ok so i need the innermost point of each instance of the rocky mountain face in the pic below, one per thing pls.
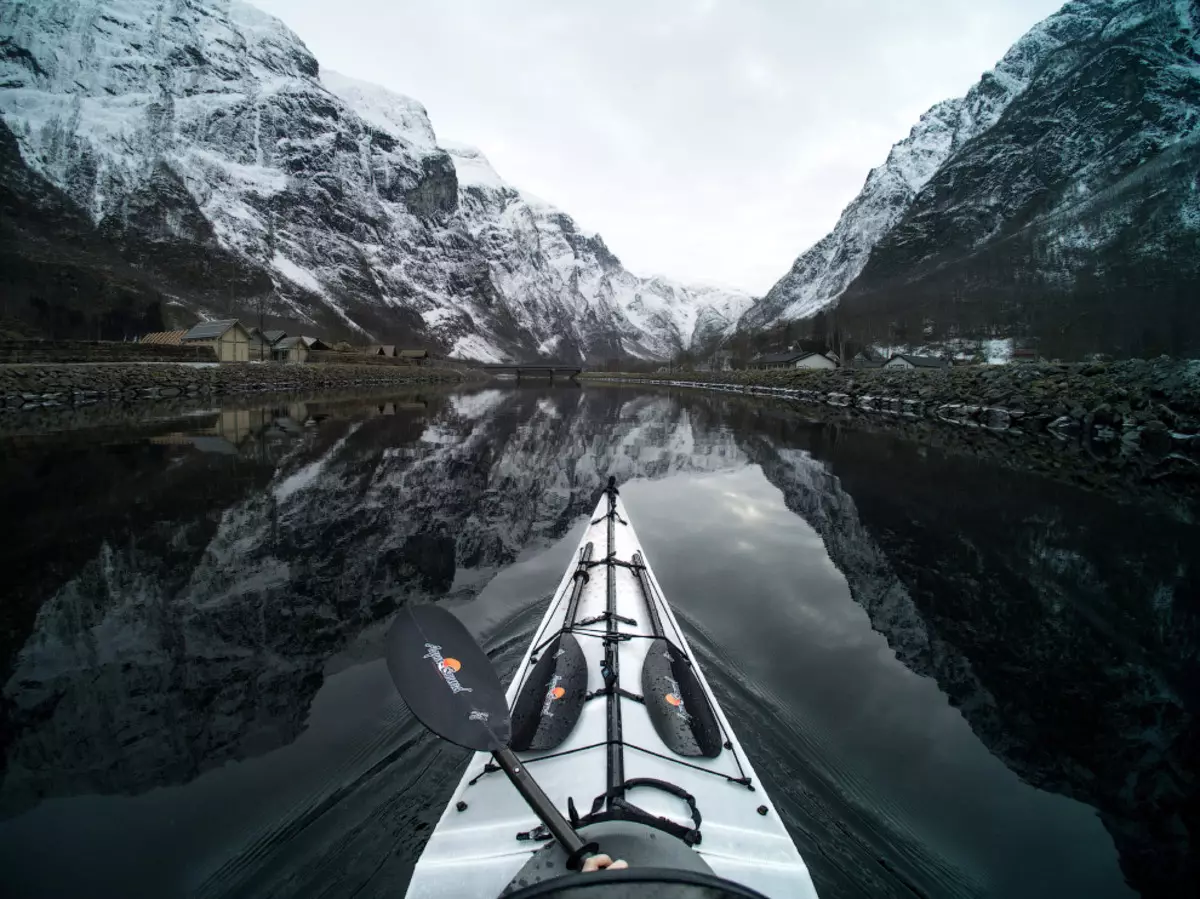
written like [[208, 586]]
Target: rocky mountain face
[[219, 171], [1056, 201]]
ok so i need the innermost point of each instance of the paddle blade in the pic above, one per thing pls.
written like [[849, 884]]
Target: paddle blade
[[552, 697], [677, 704], [446, 679]]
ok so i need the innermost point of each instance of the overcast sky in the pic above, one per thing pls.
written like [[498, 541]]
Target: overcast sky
[[707, 140]]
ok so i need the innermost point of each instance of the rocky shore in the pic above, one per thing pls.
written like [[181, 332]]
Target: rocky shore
[[1147, 405], [33, 387]]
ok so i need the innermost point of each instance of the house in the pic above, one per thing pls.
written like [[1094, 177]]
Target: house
[[1024, 354], [290, 349], [260, 345], [381, 350], [227, 338], [865, 360], [793, 359], [164, 338], [316, 343], [414, 357], [907, 360]]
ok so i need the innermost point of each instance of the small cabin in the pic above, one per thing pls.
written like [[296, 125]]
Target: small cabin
[[865, 360], [290, 349], [382, 349], [228, 338], [414, 357]]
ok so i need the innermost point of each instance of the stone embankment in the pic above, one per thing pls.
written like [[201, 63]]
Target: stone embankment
[[1147, 404], [44, 352], [26, 387]]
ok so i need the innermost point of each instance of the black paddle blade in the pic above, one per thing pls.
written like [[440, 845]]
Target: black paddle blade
[[678, 705], [551, 700], [446, 679]]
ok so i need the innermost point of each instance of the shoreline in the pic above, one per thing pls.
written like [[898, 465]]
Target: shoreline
[[1142, 405], [26, 387]]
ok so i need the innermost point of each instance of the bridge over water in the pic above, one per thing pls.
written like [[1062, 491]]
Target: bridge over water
[[536, 369]]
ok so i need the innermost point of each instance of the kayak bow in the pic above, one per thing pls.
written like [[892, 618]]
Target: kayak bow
[[661, 777]]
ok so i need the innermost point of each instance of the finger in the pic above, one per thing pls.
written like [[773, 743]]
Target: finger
[[618, 865], [596, 862]]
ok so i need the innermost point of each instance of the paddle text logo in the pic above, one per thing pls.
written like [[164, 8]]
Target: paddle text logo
[[675, 698], [553, 692], [448, 667]]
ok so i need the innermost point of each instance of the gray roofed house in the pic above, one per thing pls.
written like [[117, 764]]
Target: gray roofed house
[[793, 359], [778, 358], [290, 349], [865, 360], [273, 337], [228, 338], [210, 330]]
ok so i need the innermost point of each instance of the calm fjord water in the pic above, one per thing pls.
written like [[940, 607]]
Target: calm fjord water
[[955, 680]]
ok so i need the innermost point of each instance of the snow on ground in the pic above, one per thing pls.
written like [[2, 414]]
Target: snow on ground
[[473, 168], [477, 348], [393, 113], [436, 316], [299, 276], [260, 179], [998, 352]]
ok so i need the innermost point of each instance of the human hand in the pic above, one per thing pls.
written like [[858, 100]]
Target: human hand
[[597, 862]]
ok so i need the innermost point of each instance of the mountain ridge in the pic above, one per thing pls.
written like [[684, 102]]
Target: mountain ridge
[[1059, 209], [208, 145]]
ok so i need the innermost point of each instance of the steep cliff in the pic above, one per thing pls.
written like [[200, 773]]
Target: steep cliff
[[1056, 201], [220, 164]]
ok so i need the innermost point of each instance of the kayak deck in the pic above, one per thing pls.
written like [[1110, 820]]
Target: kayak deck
[[475, 849]]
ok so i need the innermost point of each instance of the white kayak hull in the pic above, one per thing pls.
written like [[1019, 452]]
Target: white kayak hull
[[474, 851]]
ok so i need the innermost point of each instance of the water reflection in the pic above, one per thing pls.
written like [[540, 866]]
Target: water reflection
[[190, 593]]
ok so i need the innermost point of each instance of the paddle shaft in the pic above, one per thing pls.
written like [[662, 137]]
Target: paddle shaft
[[639, 567], [616, 758], [577, 588], [559, 827]]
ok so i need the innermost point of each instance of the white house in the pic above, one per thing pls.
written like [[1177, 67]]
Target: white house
[[793, 359], [907, 360]]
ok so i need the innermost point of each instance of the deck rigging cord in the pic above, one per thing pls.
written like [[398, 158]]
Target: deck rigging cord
[[612, 804]]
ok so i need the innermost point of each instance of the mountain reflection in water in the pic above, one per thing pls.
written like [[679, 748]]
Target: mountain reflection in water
[[955, 680]]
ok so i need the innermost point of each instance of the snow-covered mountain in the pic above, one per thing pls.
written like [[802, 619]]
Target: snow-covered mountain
[[220, 168], [1057, 189]]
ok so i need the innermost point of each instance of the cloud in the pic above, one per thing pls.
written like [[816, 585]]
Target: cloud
[[704, 140]]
